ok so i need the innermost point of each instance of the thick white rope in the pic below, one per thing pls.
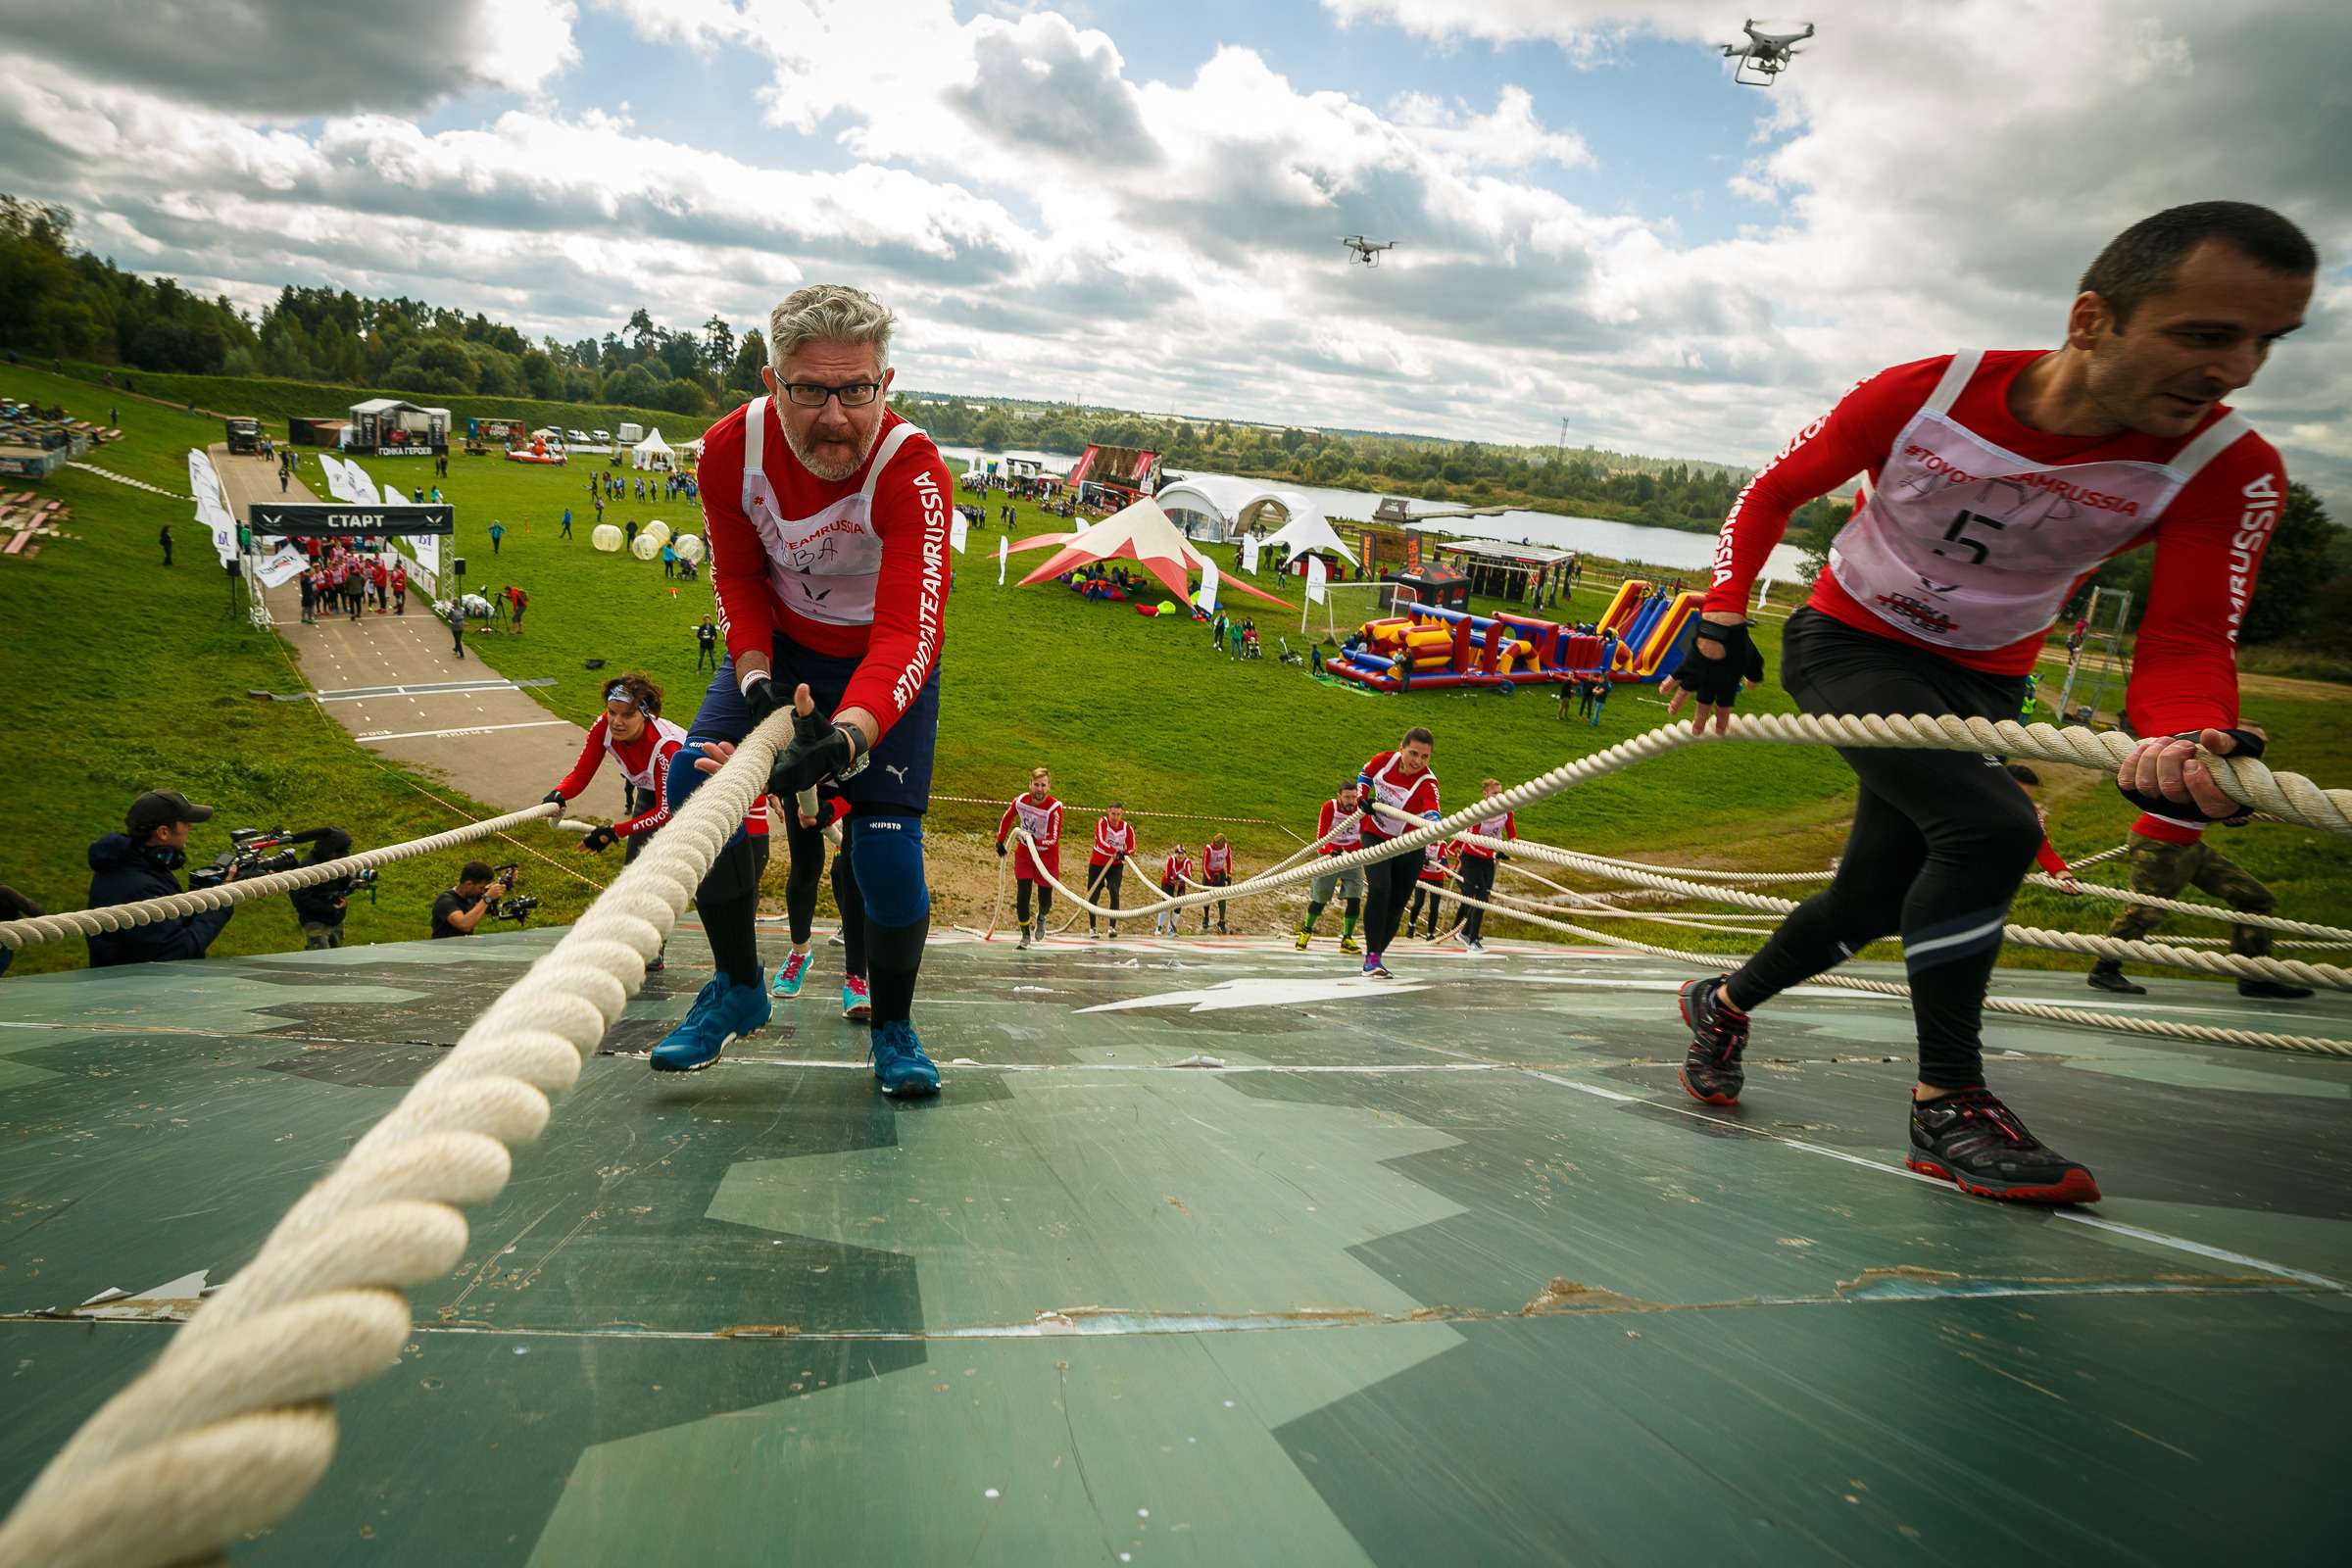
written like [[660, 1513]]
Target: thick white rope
[[231, 1425], [245, 890], [2209, 911], [2163, 1028], [2292, 970]]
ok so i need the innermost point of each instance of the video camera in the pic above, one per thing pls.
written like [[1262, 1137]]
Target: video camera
[[362, 879], [517, 908], [249, 852]]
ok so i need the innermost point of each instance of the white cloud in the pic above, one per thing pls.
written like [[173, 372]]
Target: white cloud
[[1052, 221]]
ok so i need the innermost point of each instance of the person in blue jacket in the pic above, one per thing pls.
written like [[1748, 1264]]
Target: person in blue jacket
[[138, 863]]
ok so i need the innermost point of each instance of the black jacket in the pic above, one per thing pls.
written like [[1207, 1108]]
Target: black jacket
[[120, 873], [318, 903]]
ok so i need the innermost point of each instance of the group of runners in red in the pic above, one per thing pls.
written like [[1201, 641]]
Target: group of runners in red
[[1994, 484]]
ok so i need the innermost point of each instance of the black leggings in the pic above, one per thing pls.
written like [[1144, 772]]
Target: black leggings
[[1110, 877], [1220, 880], [1478, 882], [1437, 901], [1388, 887], [1045, 900], [1941, 842], [804, 870], [853, 916]]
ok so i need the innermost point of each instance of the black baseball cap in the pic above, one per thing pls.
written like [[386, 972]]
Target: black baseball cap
[[160, 809]]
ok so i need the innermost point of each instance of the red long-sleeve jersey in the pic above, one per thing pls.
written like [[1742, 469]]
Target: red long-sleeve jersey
[[1111, 842], [1349, 837], [2011, 510], [1383, 780], [855, 568], [1175, 871], [1493, 830], [644, 763], [1042, 819], [2051, 861]]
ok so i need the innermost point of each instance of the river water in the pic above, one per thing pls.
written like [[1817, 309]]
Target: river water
[[1616, 541]]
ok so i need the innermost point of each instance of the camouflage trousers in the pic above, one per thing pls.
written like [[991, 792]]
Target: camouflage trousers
[[2163, 870]]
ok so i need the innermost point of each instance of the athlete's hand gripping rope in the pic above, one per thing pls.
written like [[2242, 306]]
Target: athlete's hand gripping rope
[[2164, 773], [1721, 656]]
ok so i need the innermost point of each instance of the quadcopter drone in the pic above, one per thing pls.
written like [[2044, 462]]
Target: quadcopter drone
[[1367, 251], [1765, 55]]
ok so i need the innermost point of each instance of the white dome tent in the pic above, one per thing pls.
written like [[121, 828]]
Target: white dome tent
[[1219, 507], [653, 452]]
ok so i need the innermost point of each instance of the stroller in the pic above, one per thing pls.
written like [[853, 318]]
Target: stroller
[[1249, 648], [1288, 655]]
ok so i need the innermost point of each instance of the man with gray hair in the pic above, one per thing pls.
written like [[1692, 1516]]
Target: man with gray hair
[[826, 517]]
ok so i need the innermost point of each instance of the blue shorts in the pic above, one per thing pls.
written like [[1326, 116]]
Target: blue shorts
[[899, 776]]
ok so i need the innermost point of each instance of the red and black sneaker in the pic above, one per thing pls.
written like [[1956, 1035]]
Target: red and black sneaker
[[1976, 1143], [1711, 1071]]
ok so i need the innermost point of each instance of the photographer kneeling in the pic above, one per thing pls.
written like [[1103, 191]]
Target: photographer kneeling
[[137, 863], [321, 909], [457, 911]]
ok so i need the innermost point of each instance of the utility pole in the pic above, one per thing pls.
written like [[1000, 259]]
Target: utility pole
[[1561, 454]]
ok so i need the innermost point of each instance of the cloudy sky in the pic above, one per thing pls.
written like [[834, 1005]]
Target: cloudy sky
[[1138, 203]]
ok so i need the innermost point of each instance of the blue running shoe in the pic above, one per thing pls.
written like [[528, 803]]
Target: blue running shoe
[[789, 975], [724, 1012], [899, 1066], [857, 1003]]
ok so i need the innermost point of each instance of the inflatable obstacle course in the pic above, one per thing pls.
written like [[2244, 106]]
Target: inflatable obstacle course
[[1640, 638]]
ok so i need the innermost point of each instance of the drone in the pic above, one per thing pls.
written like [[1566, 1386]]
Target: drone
[[1367, 251], [1765, 55]]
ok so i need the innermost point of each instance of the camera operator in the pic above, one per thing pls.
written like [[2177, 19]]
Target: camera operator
[[321, 909], [137, 863], [13, 905], [463, 907]]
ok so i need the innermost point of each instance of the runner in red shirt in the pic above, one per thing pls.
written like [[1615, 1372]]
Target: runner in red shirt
[[1039, 814], [1106, 862], [1478, 849], [1216, 870], [642, 744], [400, 588], [826, 517], [1340, 813], [1399, 779], [1997, 483], [1174, 874]]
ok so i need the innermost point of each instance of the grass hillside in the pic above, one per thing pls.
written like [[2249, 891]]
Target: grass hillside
[[136, 680]]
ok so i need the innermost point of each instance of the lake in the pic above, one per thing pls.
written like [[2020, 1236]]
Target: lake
[[1617, 541]]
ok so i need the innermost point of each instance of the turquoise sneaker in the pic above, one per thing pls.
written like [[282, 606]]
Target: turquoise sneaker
[[856, 1004], [899, 1066], [789, 975], [724, 1011]]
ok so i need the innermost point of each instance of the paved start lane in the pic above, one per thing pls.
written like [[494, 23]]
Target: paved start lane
[[396, 684]]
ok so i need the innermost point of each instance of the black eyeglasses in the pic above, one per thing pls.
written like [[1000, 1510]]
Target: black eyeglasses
[[811, 395]]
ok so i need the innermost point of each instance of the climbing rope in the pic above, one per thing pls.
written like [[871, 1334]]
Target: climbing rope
[[231, 1425], [245, 890], [2163, 1028], [2210, 912]]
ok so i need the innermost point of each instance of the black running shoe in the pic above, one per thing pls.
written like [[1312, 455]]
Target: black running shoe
[[1711, 1071], [1976, 1143], [2272, 989]]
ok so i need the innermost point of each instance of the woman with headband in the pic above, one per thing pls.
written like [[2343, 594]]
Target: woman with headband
[[633, 733]]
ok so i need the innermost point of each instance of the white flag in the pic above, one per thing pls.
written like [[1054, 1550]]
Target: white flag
[[1003, 555], [282, 567], [1249, 554], [957, 525], [1207, 599], [1316, 576]]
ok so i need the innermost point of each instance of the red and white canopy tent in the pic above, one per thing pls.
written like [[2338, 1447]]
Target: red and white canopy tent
[[1141, 533]]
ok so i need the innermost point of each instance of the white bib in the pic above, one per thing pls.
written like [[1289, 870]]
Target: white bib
[[1349, 834], [824, 566], [1033, 816], [663, 730], [1965, 544]]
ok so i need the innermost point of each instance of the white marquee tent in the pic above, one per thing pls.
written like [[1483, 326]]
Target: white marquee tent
[[1218, 507], [653, 452]]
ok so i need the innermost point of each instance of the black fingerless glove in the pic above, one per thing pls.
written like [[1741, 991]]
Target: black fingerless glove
[[1716, 681], [552, 798], [2249, 746], [599, 840], [819, 749]]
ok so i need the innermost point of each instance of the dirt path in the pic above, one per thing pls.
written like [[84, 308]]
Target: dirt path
[[396, 684]]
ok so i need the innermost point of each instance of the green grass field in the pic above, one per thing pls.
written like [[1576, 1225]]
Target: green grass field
[[133, 679]]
